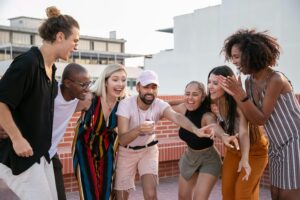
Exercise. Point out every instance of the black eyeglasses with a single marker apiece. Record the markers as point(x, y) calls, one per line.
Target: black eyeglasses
point(82, 85)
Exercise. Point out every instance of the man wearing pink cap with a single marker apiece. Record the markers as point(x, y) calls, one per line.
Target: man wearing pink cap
point(137, 116)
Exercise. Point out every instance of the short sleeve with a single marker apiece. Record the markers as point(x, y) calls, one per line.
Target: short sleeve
point(162, 106)
point(16, 81)
point(124, 108)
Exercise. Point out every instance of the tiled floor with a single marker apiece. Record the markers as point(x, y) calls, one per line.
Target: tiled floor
point(167, 190)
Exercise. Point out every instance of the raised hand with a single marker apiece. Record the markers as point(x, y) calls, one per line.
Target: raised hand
point(232, 86)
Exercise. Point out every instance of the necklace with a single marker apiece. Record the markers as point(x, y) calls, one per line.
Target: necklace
point(224, 123)
point(257, 87)
point(111, 105)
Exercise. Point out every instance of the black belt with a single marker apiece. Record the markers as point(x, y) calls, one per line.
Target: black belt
point(154, 142)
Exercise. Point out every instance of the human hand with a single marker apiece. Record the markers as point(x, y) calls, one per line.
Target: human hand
point(147, 127)
point(232, 86)
point(231, 141)
point(214, 109)
point(205, 131)
point(244, 164)
point(87, 101)
point(22, 147)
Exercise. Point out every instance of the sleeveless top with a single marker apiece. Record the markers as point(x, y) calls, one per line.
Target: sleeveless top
point(283, 125)
point(191, 139)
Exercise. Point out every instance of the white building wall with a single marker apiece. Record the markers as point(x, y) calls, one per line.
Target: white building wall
point(199, 37)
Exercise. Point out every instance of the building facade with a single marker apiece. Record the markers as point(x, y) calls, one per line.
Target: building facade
point(94, 53)
point(199, 37)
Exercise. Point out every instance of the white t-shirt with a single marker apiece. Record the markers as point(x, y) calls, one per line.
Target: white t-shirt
point(128, 108)
point(63, 111)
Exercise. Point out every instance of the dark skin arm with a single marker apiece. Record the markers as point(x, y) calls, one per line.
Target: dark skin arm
point(277, 85)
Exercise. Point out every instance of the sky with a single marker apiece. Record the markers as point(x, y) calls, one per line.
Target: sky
point(136, 21)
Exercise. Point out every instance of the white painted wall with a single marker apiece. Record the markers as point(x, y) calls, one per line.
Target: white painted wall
point(199, 36)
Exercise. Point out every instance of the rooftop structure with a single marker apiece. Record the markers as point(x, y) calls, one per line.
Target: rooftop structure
point(94, 53)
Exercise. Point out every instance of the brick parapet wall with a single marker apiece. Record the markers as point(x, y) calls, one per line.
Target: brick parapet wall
point(170, 149)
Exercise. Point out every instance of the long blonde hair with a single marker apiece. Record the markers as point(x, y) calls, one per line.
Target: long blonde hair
point(99, 87)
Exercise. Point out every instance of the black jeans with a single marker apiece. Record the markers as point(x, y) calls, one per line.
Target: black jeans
point(59, 179)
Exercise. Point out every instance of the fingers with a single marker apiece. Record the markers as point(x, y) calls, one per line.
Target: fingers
point(147, 126)
point(245, 178)
point(248, 171)
point(246, 168)
point(26, 153)
point(236, 143)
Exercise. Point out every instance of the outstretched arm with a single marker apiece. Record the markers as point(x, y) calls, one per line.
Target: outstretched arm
point(184, 122)
point(20, 144)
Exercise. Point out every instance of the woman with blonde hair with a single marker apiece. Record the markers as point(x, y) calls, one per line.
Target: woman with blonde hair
point(94, 144)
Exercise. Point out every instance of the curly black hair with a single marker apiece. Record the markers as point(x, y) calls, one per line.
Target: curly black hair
point(258, 49)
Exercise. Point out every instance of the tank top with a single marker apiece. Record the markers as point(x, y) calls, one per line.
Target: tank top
point(191, 139)
point(283, 125)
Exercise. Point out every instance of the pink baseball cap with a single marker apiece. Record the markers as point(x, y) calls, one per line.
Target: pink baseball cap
point(147, 77)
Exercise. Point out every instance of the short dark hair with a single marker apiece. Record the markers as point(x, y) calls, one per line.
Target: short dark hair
point(71, 69)
point(258, 49)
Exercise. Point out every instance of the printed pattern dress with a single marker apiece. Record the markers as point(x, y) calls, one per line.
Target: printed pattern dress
point(93, 150)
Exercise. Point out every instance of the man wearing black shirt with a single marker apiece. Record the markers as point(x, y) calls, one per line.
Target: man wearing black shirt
point(27, 92)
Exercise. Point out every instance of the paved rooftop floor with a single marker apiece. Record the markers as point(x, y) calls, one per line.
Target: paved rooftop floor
point(167, 190)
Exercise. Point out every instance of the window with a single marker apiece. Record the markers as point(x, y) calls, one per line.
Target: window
point(84, 44)
point(114, 47)
point(4, 37)
point(99, 46)
point(38, 40)
point(21, 38)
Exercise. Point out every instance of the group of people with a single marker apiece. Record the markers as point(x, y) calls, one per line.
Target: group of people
point(115, 136)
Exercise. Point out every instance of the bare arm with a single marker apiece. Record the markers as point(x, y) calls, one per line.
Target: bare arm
point(3, 134)
point(184, 122)
point(245, 145)
point(276, 86)
point(126, 136)
point(208, 118)
point(84, 104)
point(175, 102)
point(180, 108)
point(20, 144)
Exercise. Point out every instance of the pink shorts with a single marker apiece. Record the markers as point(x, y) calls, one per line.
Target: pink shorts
point(129, 160)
